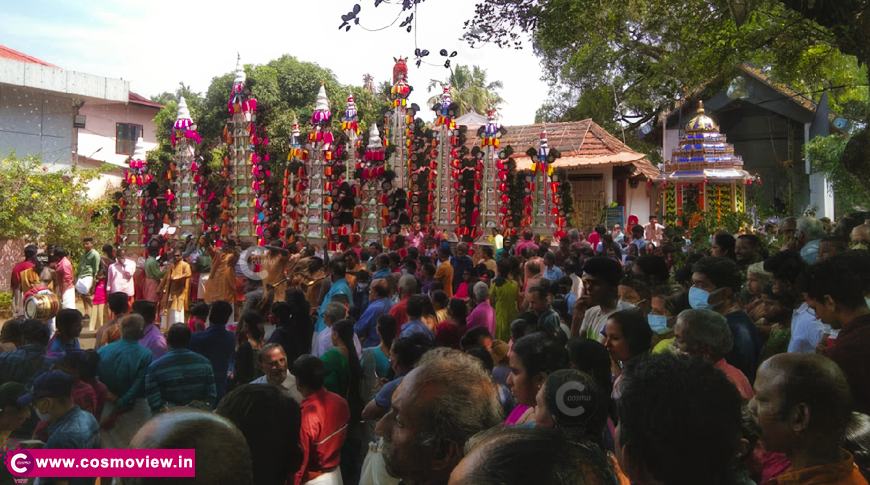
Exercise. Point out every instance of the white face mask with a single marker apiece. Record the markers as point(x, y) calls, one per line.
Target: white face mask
point(42, 416)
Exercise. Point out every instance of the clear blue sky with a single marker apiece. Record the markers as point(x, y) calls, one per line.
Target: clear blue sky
point(157, 44)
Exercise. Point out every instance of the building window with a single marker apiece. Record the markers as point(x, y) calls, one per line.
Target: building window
point(125, 138)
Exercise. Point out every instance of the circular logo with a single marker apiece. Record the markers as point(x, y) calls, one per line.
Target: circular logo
point(251, 260)
point(570, 398)
point(20, 463)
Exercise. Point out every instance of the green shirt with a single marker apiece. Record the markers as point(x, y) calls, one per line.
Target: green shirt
point(89, 264)
point(337, 372)
point(152, 269)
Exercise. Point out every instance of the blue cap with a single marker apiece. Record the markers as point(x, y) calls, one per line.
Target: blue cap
point(51, 384)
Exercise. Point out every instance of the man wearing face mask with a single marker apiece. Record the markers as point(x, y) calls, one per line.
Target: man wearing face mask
point(716, 286)
point(69, 428)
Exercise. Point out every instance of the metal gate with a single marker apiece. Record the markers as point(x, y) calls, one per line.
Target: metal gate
point(588, 201)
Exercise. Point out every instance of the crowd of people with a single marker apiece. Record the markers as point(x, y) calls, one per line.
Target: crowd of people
point(617, 358)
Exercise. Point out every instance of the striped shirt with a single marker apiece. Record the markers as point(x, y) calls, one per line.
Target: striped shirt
point(178, 378)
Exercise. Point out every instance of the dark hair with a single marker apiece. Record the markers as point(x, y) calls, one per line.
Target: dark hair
point(752, 239)
point(642, 284)
point(395, 258)
point(521, 327)
point(835, 278)
point(377, 246)
point(484, 356)
point(635, 330)
point(249, 323)
point(199, 310)
point(387, 327)
point(543, 291)
point(637, 229)
point(410, 264)
point(270, 419)
point(785, 265)
point(722, 272)
point(30, 251)
point(606, 269)
point(408, 350)
point(578, 405)
point(487, 250)
point(309, 371)
point(383, 261)
point(88, 239)
point(281, 311)
point(344, 329)
point(11, 331)
point(88, 366)
point(34, 332)
point(416, 305)
point(504, 268)
point(220, 313)
point(543, 456)
point(538, 353)
point(439, 297)
point(413, 253)
point(458, 310)
point(338, 267)
point(118, 302)
point(679, 434)
point(108, 249)
point(654, 267)
point(856, 440)
point(178, 336)
point(430, 268)
point(445, 251)
point(726, 242)
point(592, 358)
point(473, 336)
point(67, 318)
point(146, 309)
point(59, 252)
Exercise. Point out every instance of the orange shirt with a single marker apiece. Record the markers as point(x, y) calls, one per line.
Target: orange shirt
point(736, 376)
point(842, 473)
point(444, 275)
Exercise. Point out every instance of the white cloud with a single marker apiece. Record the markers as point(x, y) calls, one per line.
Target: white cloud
point(157, 44)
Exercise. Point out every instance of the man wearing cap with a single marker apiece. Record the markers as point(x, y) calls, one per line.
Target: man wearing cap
point(69, 428)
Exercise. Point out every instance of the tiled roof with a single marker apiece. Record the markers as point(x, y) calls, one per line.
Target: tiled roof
point(798, 98)
point(138, 99)
point(7, 53)
point(581, 143)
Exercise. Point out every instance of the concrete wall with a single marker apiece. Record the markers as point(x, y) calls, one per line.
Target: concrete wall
point(637, 202)
point(62, 82)
point(34, 122)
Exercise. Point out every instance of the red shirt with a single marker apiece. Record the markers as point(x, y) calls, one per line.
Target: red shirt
point(400, 313)
point(15, 281)
point(325, 417)
point(850, 353)
point(736, 376)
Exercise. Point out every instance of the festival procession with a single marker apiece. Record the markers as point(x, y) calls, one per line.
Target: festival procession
point(654, 279)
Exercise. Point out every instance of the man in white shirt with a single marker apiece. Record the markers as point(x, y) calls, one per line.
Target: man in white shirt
point(654, 232)
point(332, 313)
point(806, 330)
point(273, 363)
point(601, 278)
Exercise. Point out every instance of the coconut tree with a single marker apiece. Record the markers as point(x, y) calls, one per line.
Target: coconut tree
point(470, 90)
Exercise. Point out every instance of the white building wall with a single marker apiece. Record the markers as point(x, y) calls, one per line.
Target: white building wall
point(637, 202)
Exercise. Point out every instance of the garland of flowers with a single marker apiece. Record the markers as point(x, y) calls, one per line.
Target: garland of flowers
point(186, 157)
point(295, 202)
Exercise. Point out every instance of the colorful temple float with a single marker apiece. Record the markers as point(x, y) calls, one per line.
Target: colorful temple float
point(703, 173)
point(189, 183)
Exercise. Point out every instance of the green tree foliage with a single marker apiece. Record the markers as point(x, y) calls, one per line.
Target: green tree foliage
point(825, 155)
point(647, 53)
point(470, 90)
point(51, 206)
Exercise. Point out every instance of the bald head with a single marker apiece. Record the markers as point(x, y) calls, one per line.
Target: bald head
point(814, 381)
point(222, 454)
point(861, 234)
point(381, 288)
